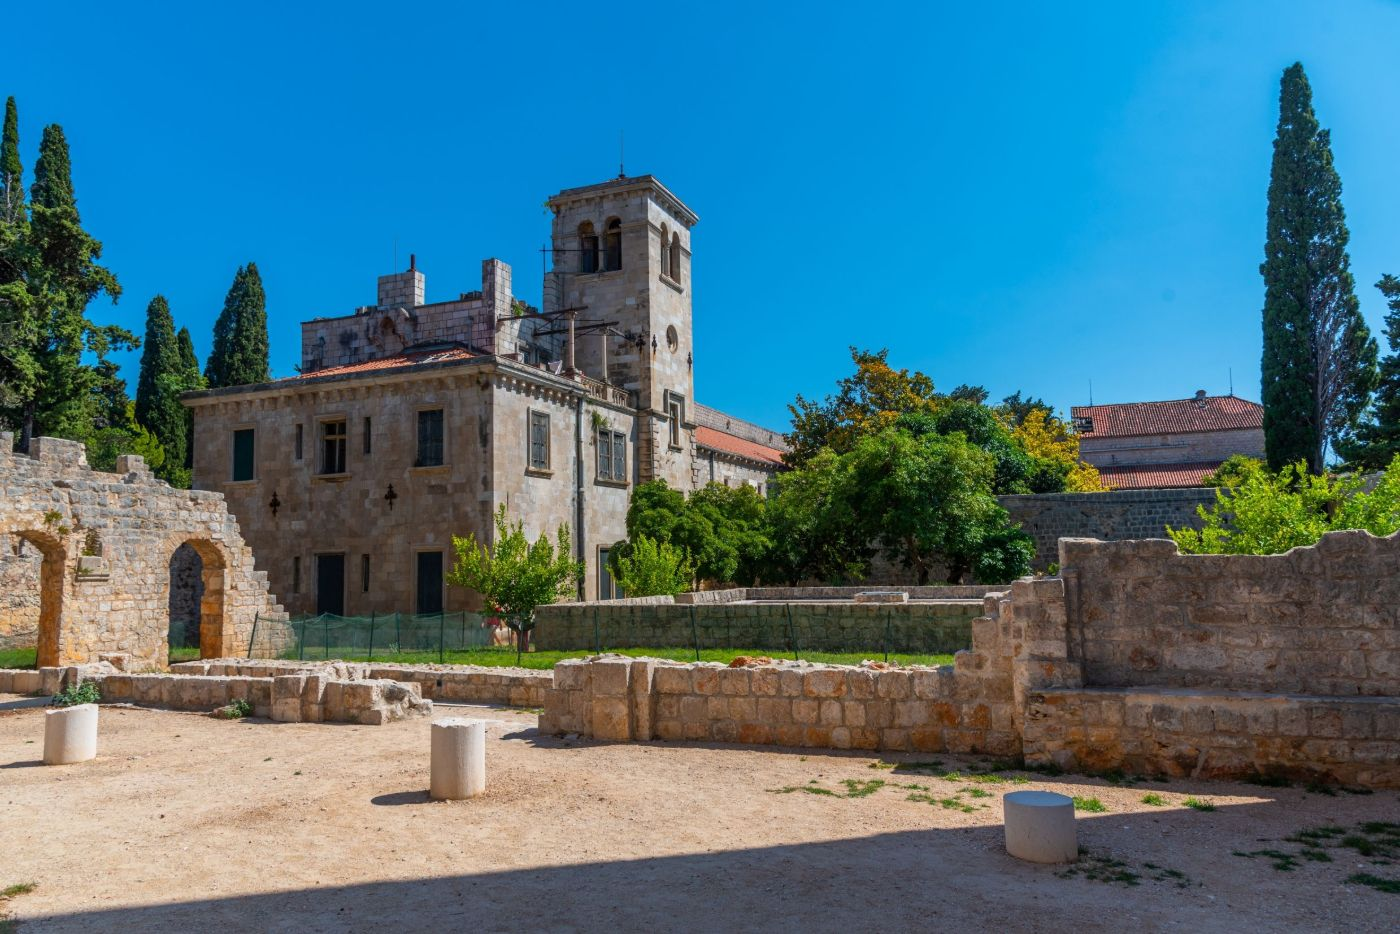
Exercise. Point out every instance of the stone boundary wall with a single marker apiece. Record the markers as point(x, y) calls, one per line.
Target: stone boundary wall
point(915, 592)
point(1323, 620)
point(1113, 516)
point(933, 628)
point(19, 596)
point(1283, 665)
point(515, 687)
point(294, 698)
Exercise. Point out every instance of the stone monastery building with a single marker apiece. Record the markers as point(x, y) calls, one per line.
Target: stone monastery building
point(411, 422)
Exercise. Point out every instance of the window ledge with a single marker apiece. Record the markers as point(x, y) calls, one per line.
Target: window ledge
point(431, 468)
point(252, 482)
point(332, 477)
point(667, 280)
point(616, 484)
point(538, 472)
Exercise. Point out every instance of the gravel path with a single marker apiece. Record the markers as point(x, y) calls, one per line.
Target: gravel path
point(190, 823)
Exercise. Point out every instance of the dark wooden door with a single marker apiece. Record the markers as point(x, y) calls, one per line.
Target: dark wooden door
point(330, 584)
point(429, 582)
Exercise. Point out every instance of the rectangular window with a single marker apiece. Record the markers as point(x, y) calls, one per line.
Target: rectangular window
point(430, 447)
point(674, 410)
point(368, 435)
point(298, 444)
point(296, 575)
point(606, 587)
point(539, 440)
point(333, 447)
point(364, 573)
point(243, 454)
point(612, 455)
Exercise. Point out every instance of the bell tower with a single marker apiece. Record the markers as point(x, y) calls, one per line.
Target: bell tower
point(622, 269)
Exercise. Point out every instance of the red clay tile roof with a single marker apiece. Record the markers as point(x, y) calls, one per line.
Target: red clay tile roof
point(1212, 413)
point(1155, 476)
point(740, 447)
point(388, 363)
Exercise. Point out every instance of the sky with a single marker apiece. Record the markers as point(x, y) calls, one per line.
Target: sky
point(1025, 196)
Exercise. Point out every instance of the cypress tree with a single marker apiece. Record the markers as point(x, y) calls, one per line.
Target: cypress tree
point(19, 332)
point(240, 353)
point(1319, 358)
point(162, 379)
point(1377, 442)
point(11, 171)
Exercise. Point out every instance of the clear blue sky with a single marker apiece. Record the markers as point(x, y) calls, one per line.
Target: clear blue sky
point(1027, 196)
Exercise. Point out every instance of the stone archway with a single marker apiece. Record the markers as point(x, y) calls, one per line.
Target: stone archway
point(213, 605)
point(51, 578)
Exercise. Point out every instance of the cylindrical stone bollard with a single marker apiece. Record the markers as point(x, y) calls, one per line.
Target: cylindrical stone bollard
point(70, 734)
point(458, 768)
point(1040, 827)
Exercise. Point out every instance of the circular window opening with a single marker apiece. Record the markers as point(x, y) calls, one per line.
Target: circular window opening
point(673, 340)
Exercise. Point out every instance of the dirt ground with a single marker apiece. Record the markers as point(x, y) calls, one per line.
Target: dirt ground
point(189, 823)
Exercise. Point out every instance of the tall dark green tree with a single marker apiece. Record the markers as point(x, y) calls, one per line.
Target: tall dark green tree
point(240, 353)
point(1377, 441)
point(19, 366)
point(1319, 360)
point(163, 377)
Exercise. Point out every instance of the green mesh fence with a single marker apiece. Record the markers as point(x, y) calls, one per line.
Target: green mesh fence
point(184, 639)
point(400, 636)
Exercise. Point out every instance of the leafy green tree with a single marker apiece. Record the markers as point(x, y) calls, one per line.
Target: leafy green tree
point(1319, 359)
point(653, 568)
point(1268, 513)
point(1233, 471)
point(1377, 440)
point(737, 516)
point(867, 402)
point(1014, 408)
point(810, 526)
point(513, 576)
point(928, 502)
point(240, 353)
point(722, 530)
point(104, 444)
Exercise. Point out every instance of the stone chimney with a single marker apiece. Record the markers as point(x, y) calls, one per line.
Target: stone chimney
point(402, 289)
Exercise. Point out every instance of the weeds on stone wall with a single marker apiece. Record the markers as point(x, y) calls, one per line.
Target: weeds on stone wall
point(81, 692)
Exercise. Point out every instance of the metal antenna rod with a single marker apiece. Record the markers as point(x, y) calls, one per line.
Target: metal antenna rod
point(621, 154)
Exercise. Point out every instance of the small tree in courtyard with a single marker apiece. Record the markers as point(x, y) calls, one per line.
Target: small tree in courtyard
point(653, 568)
point(514, 576)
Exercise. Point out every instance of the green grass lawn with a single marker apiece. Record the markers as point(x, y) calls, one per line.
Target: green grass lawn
point(19, 658)
point(499, 655)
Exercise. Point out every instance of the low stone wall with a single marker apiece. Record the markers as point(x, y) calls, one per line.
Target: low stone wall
point(1136, 659)
point(290, 698)
point(790, 705)
point(517, 687)
point(925, 628)
point(1180, 733)
point(1113, 516)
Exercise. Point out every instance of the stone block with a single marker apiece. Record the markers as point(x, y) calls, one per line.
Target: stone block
point(610, 718)
point(790, 682)
point(927, 684)
point(693, 708)
point(860, 683)
point(742, 708)
point(830, 713)
point(765, 682)
point(734, 681)
point(824, 682)
point(894, 685)
point(609, 677)
point(704, 679)
point(911, 713)
point(672, 679)
point(572, 674)
point(806, 710)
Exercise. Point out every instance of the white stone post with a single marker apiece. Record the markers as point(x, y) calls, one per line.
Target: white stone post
point(1040, 827)
point(70, 734)
point(458, 768)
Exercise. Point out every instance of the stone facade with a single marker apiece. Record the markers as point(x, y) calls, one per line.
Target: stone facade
point(19, 594)
point(1121, 514)
point(107, 541)
point(606, 369)
point(1137, 659)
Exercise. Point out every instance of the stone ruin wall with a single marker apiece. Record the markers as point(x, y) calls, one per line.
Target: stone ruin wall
point(1136, 659)
point(19, 595)
point(119, 600)
point(1111, 516)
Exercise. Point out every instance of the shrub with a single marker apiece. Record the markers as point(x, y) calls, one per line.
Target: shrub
point(651, 568)
point(80, 692)
point(239, 709)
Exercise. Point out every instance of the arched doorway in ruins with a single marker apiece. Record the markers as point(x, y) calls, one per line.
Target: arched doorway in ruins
point(198, 615)
point(50, 584)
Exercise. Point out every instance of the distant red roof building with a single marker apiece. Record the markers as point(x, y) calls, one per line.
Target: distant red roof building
point(408, 358)
point(1156, 445)
point(726, 443)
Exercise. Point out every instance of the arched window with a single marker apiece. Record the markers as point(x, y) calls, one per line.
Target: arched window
point(588, 248)
point(665, 251)
point(612, 245)
point(676, 256)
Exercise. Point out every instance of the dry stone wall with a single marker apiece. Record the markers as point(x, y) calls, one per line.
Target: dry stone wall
point(933, 628)
point(19, 595)
point(1137, 658)
point(107, 541)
